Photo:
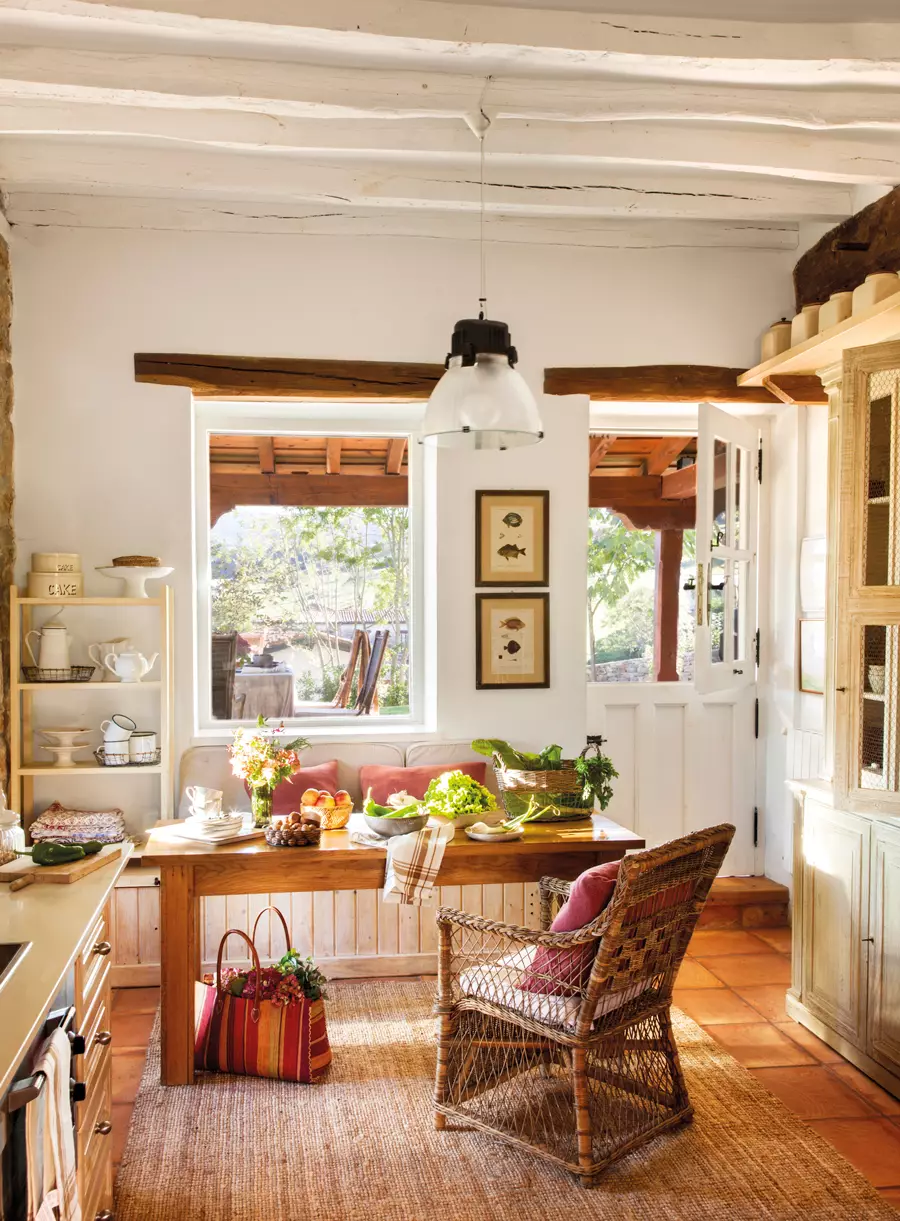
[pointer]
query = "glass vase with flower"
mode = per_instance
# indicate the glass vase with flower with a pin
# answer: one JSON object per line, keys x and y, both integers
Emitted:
{"x": 263, "y": 762}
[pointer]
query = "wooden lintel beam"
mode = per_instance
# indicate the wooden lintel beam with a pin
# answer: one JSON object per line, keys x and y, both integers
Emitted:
{"x": 656, "y": 384}
{"x": 277, "y": 377}
{"x": 393, "y": 463}
{"x": 665, "y": 454}
{"x": 333, "y": 456}
{"x": 600, "y": 447}
{"x": 622, "y": 488}
{"x": 266, "y": 448}
{"x": 801, "y": 388}
{"x": 657, "y": 515}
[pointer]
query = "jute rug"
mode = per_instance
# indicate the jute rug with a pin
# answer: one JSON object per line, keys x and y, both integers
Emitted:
{"x": 361, "y": 1146}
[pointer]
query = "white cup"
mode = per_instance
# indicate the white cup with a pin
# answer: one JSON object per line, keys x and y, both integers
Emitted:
{"x": 213, "y": 809}
{"x": 118, "y": 729}
{"x": 201, "y": 798}
{"x": 142, "y": 745}
{"x": 876, "y": 679}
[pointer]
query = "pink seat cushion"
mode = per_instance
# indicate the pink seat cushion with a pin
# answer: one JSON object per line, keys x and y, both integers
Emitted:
{"x": 288, "y": 794}
{"x": 565, "y": 971}
{"x": 384, "y": 780}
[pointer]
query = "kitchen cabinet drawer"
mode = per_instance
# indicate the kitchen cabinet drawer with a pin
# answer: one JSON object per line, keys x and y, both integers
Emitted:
{"x": 101, "y": 1078}
{"x": 93, "y": 1139}
{"x": 97, "y": 1038}
{"x": 96, "y": 1192}
{"x": 92, "y": 966}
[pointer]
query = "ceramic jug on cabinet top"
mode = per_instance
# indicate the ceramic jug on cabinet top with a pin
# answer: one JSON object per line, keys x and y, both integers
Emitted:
{"x": 53, "y": 648}
{"x": 130, "y": 667}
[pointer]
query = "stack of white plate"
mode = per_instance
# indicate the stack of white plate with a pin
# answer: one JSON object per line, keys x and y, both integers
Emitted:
{"x": 213, "y": 830}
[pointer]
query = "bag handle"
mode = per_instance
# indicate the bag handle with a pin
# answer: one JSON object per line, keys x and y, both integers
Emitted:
{"x": 287, "y": 935}
{"x": 239, "y": 932}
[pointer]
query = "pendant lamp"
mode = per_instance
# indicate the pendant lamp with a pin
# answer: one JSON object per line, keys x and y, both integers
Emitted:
{"x": 482, "y": 401}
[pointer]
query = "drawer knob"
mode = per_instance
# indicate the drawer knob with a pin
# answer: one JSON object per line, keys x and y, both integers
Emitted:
{"x": 102, "y": 948}
{"x": 103, "y": 1127}
{"x": 103, "y": 1037}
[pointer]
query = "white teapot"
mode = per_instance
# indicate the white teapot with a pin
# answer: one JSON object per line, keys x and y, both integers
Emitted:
{"x": 130, "y": 667}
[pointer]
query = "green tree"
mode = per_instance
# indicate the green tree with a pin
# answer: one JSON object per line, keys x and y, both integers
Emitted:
{"x": 616, "y": 557}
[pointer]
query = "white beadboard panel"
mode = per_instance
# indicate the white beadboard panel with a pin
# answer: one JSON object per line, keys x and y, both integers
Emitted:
{"x": 806, "y": 754}
{"x": 620, "y": 728}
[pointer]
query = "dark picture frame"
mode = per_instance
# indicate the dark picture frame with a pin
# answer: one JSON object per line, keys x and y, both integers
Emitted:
{"x": 509, "y": 573}
{"x": 487, "y": 677}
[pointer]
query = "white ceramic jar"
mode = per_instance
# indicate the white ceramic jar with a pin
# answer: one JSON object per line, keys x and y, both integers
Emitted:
{"x": 836, "y": 309}
{"x": 55, "y": 585}
{"x": 776, "y": 340}
{"x": 874, "y": 288}
{"x": 805, "y": 324}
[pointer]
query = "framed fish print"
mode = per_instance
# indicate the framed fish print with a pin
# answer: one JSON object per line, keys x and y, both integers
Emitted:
{"x": 512, "y": 538}
{"x": 512, "y": 640}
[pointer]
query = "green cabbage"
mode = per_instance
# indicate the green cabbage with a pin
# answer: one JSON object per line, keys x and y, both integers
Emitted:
{"x": 454, "y": 793}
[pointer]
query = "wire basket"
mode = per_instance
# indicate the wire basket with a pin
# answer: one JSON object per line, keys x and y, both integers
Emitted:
{"x": 123, "y": 759}
{"x": 74, "y": 674}
{"x": 561, "y": 789}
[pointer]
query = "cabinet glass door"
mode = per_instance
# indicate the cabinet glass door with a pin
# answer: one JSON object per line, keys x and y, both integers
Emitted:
{"x": 881, "y": 518}
{"x": 878, "y": 737}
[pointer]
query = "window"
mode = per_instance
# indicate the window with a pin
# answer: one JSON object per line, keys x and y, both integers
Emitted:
{"x": 641, "y": 558}
{"x": 307, "y": 574}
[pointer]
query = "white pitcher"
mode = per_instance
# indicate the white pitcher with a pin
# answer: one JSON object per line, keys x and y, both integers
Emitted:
{"x": 97, "y": 652}
{"x": 53, "y": 651}
{"x": 130, "y": 667}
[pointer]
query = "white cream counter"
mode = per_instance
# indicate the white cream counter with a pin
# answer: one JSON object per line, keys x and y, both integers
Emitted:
{"x": 55, "y": 919}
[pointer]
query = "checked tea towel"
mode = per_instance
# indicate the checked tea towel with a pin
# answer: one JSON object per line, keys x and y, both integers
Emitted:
{"x": 413, "y": 862}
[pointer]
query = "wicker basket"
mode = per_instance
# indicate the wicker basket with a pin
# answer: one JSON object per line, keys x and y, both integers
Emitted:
{"x": 563, "y": 789}
{"x": 74, "y": 674}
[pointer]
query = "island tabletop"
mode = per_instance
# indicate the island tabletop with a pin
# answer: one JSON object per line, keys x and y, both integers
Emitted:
{"x": 190, "y": 871}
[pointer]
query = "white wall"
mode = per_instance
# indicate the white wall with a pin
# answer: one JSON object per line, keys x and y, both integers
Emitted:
{"x": 103, "y": 465}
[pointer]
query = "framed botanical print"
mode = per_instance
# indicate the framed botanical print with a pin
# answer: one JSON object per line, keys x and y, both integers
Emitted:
{"x": 512, "y": 640}
{"x": 512, "y": 538}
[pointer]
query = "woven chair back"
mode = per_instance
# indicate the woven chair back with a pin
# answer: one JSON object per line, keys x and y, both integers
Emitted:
{"x": 646, "y": 928}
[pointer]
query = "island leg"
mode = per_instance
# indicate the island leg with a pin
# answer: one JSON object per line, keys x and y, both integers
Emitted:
{"x": 179, "y": 926}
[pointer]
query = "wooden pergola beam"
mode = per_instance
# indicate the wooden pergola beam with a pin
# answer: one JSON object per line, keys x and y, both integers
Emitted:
{"x": 623, "y": 488}
{"x": 229, "y": 491}
{"x": 679, "y": 485}
{"x": 656, "y": 514}
{"x": 279, "y": 377}
{"x": 393, "y": 463}
{"x": 665, "y": 454}
{"x": 266, "y": 448}
{"x": 600, "y": 447}
{"x": 656, "y": 384}
{"x": 333, "y": 456}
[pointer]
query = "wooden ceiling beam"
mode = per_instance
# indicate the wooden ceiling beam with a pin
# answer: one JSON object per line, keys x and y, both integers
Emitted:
{"x": 600, "y": 447}
{"x": 393, "y": 463}
{"x": 665, "y": 454}
{"x": 800, "y": 388}
{"x": 333, "y": 456}
{"x": 866, "y": 242}
{"x": 277, "y": 377}
{"x": 266, "y": 449}
{"x": 655, "y": 384}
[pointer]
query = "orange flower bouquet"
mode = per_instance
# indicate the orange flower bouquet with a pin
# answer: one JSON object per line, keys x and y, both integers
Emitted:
{"x": 262, "y": 762}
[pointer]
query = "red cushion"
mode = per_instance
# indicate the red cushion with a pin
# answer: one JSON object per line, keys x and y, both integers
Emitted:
{"x": 564, "y": 972}
{"x": 384, "y": 780}
{"x": 288, "y": 793}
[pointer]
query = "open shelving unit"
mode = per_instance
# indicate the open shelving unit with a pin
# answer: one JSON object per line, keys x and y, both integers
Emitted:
{"x": 24, "y": 767}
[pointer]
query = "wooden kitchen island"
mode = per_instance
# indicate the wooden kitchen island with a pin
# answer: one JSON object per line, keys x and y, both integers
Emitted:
{"x": 190, "y": 871}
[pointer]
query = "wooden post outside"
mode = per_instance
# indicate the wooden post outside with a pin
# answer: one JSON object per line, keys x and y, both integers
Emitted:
{"x": 665, "y": 629}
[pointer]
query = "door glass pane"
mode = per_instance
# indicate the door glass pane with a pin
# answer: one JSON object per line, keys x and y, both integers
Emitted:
{"x": 877, "y": 713}
{"x": 879, "y": 481}
{"x": 739, "y": 603}
{"x": 738, "y": 528}
{"x": 715, "y": 603}
{"x": 719, "y": 535}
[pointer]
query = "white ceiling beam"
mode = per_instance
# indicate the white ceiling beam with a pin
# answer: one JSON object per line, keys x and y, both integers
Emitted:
{"x": 240, "y": 216}
{"x": 121, "y": 168}
{"x": 870, "y": 157}
{"x": 485, "y": 36}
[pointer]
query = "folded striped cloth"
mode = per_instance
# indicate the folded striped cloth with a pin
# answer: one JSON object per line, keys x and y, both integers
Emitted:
{"x": 413, "y": 862}
{"x": 78, "y": 826}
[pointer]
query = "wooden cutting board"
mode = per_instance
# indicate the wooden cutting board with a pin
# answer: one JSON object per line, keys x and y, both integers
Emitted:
{"x": 23, "y": 871}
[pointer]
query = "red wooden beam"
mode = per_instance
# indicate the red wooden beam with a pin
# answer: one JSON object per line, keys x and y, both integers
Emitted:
{"x": 665, "y": 619}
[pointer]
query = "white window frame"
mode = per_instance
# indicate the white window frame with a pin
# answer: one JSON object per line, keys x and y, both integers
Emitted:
{"x": 359, "y": 419}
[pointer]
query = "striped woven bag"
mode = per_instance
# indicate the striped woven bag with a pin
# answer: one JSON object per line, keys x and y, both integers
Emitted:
{"x": 237, "y": 1034}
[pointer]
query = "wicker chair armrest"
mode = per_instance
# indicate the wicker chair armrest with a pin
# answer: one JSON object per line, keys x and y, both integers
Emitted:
{"x": 448, "y": 917}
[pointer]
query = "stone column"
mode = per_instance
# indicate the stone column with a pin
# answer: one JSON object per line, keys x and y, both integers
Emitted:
{"x": 7, "y": 533}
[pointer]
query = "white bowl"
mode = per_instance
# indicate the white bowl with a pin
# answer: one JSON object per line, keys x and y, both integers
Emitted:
{"x": 63, "y": 737}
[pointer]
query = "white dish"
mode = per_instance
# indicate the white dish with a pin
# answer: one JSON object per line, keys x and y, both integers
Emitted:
{"x": 63, "y": 737}
{"x": 134, "y": 579}
{"x": 498, "y": 837}
{"x": 186, "y": 832}
{"x": 64, "y": 753}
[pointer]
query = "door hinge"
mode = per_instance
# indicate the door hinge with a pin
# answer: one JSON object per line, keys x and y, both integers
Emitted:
{"x": 756, "y": 826}
{"x": 756, "y": 719}
{"x": 757, "y": 648}
{"x": 759, "y": 460}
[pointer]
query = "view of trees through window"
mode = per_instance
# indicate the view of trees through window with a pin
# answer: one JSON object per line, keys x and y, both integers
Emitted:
{"x": 621, "y": 596}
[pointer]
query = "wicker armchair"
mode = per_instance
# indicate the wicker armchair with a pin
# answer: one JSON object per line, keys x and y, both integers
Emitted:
{"x": 580, "y": 1067}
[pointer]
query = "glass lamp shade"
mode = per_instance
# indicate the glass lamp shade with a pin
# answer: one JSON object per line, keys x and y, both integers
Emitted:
{"x": 485, "y": 405}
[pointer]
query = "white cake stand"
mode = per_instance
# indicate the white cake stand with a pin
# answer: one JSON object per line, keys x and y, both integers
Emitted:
{"x": 135, "y": 579}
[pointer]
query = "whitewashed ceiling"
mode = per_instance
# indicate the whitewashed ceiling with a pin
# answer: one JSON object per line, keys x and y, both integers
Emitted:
{"x": 636, "y": 128}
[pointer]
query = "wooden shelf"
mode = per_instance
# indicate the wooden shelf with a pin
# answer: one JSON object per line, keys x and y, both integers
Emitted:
{"x": 99, "y": 686}
{"x": 871, "y": 695}
{"x": 79, "y": 769}
{"x": 879, "y": 322}
{"x": 90, "y": 601}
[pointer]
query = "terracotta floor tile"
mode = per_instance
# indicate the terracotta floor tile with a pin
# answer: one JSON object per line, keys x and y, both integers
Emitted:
{"x": 710, "y": 942}
{"x": 693, "y": 975}
{"x": 131, "y": 1030}
{"x": 748, "y": 970}
{"x": 127, "y": 1068}
{"x": 758, "y": 1045}
{"x": 767, "y": 999}
{"x": 121, "y": 1121}
{"x": 810, "y": 1042}
{"x": 135, "y": 1000}
{"x": 872, "y": 1145}
{"x": 880, "y": 1099}
{"x": 813, "y": 1093}
{"x": 778, "y": 938}
{"x": 712, "y": 1006}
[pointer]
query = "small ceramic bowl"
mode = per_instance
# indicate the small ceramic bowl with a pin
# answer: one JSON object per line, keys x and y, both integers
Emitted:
{"x": 395, "y": 826}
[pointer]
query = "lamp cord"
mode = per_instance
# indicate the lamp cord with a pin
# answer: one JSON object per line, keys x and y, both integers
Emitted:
{"x": 482, "y": 300}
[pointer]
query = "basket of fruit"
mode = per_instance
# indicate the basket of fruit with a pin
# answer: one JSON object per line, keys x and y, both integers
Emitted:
{"x": 330, "y": 810}
{"x": 295, "y": 830}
